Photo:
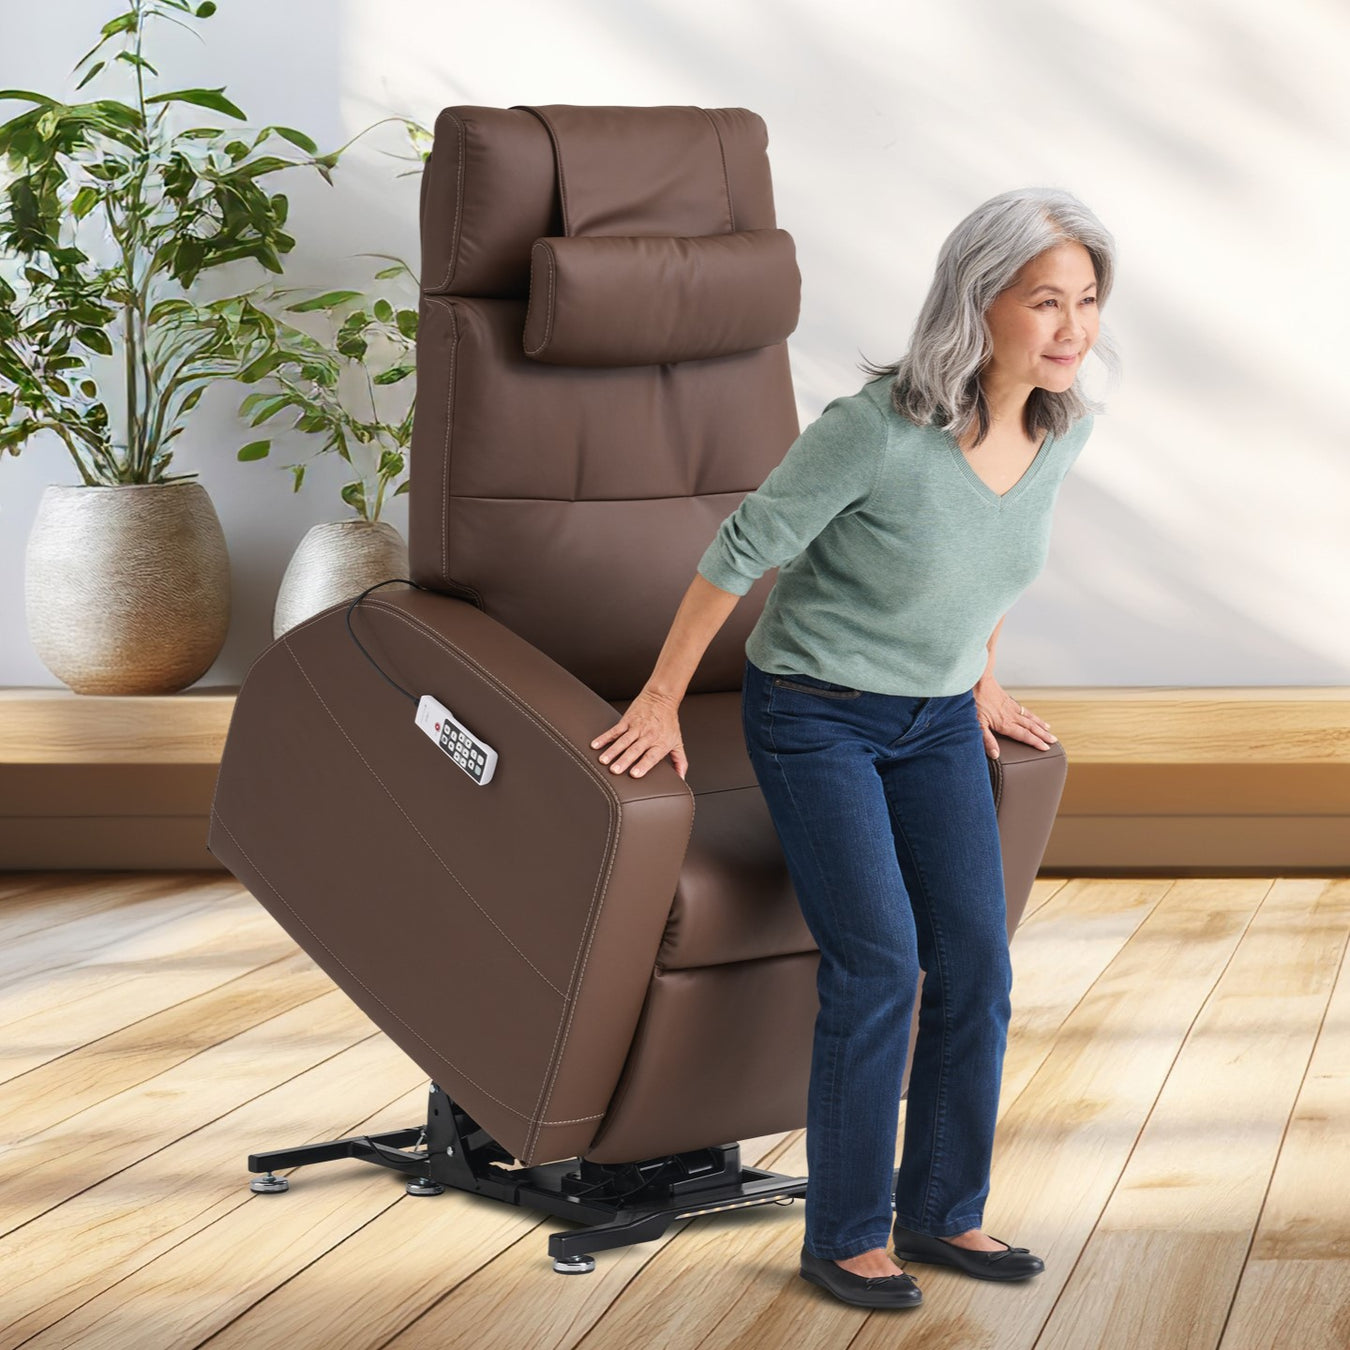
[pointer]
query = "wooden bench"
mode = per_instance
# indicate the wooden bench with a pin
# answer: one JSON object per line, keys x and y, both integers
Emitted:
{"x": 1171, "y": 781}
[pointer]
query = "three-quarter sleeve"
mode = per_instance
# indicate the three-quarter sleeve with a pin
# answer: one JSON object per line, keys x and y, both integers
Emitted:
{"x": 829, "y": 470}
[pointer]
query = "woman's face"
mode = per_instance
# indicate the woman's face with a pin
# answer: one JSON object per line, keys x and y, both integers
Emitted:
{"x": 1049, "y": 312}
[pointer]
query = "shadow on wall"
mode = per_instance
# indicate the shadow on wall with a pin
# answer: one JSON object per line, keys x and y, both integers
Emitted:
{"x": 1141, "y": 595}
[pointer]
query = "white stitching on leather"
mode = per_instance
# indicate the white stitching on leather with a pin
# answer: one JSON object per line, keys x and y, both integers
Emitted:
{"x": 290, "y": 632}
{"x": 549, "y": 310}
{"x": 726, "y": 177}
{"x": 557, "y": 161}
{"x": 459, "y": 203}
{"x": 356, "y": 979}
{"x": 314, "y": 618}
{"x": 445, "y": 452}
{"x": 611, "y": 849}
{"x": 430, "y": 847}
{"x": 554, "y": 734}
{"x": 683, "y": 854}
{"x": 597, "y": 895}
{"x": 578, "y": 973}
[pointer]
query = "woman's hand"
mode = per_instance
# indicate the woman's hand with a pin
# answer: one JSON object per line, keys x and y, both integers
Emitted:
{"x": 999, "y": 711}
{"x": 648, "y": 731}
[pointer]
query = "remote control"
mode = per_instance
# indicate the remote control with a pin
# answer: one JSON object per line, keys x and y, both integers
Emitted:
{"x": 477, "y": 758}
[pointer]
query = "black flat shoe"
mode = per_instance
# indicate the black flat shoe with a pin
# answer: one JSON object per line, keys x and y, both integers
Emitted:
{"x": 1013, "y": 1263}
{"x": 866, "y": 1291}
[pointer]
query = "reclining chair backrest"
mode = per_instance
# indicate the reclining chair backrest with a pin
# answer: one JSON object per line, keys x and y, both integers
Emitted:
{"x": 602, "y": 372}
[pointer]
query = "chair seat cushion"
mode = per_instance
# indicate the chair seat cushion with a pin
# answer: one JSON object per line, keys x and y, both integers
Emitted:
{"x": 734, "y": 900}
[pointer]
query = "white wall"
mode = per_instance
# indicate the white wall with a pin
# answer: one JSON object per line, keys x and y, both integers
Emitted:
{"x": 1201, "y": 537}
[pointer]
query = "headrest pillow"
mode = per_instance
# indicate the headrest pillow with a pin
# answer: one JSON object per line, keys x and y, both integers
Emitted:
{"x": 639, "y": 300}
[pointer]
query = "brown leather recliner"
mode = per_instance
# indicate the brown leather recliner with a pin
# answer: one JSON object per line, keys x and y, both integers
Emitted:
{"x": 608, "y": 971}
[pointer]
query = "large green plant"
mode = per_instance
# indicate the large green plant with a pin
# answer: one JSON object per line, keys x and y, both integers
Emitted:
{"x": 301, "y": 374}
{"x": 338, "y": 385}
{"x": 172, "y": 205}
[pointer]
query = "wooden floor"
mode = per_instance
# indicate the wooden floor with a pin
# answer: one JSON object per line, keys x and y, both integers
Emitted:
{"x": 1174, "y": 1141}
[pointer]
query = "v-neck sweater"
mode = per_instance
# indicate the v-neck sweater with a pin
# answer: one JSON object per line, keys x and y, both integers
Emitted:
{"x": 896, "y": 559}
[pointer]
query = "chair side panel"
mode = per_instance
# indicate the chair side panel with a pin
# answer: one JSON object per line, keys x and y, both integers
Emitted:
{"x": 512, "y": 975}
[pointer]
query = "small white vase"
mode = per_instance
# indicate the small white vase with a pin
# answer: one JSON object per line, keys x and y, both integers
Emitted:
{"x": 336, "y": 561}
{"x": 127, "y": 588}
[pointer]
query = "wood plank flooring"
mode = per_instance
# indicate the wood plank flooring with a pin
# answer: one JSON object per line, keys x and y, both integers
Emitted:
{"x": 1173, "y": 1140}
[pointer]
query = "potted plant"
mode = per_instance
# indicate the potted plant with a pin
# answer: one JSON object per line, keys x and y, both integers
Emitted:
{"x": 351, "y": 386}
{"x": 126, "y": 575}
{"x": 328, "y": 386}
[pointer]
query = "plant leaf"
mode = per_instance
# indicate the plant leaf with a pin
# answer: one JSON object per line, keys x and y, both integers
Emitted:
{"x": 270, "y": 406}
{"x": 133, "y": 60}
{"x": 297, "y": 138}
{"x": 264, "y": 365}
{"x": 84, "y": 201}
{"x": 30, "y": 96}
{"x": 96, "y": 340}
{"x": 94, "y": 71}
{"x": 203, "y": 98}
{"x": 325, "y": 301}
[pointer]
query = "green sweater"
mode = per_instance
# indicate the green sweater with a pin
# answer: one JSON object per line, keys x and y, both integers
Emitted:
{"x": 896, "y": 561}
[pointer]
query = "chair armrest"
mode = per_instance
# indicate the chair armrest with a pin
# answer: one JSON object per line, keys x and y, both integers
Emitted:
{"x": 1027, "y": 784}
{"x": 503, "y": 935}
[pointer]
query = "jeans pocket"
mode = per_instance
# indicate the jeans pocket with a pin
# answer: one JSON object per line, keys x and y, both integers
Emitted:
{"x": 810, "y": 684}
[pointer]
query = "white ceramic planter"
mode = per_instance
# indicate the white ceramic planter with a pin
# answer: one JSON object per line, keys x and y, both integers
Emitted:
{"x": 127, "y": 589}
{"x": 336, "y": 561}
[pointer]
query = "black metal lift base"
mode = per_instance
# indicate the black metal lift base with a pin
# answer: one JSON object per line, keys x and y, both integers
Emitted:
{"x": 619, "y": 1204}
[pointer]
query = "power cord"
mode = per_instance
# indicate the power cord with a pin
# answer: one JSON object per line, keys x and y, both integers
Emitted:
{"x": 358, "y": 642}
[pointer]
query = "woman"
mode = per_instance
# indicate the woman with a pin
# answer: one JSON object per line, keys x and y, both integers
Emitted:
{"x": 905, "y": 521}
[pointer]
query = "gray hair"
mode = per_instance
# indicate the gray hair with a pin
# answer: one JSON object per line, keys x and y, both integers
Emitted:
{"x": 938, "y": 378}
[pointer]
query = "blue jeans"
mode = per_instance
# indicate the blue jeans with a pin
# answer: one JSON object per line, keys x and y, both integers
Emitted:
{"x": 886, "y": 815}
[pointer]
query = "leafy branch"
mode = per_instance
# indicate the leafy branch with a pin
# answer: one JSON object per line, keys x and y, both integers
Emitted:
{"x": 169, "y": 207}
{"x": 372, "y": 342}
